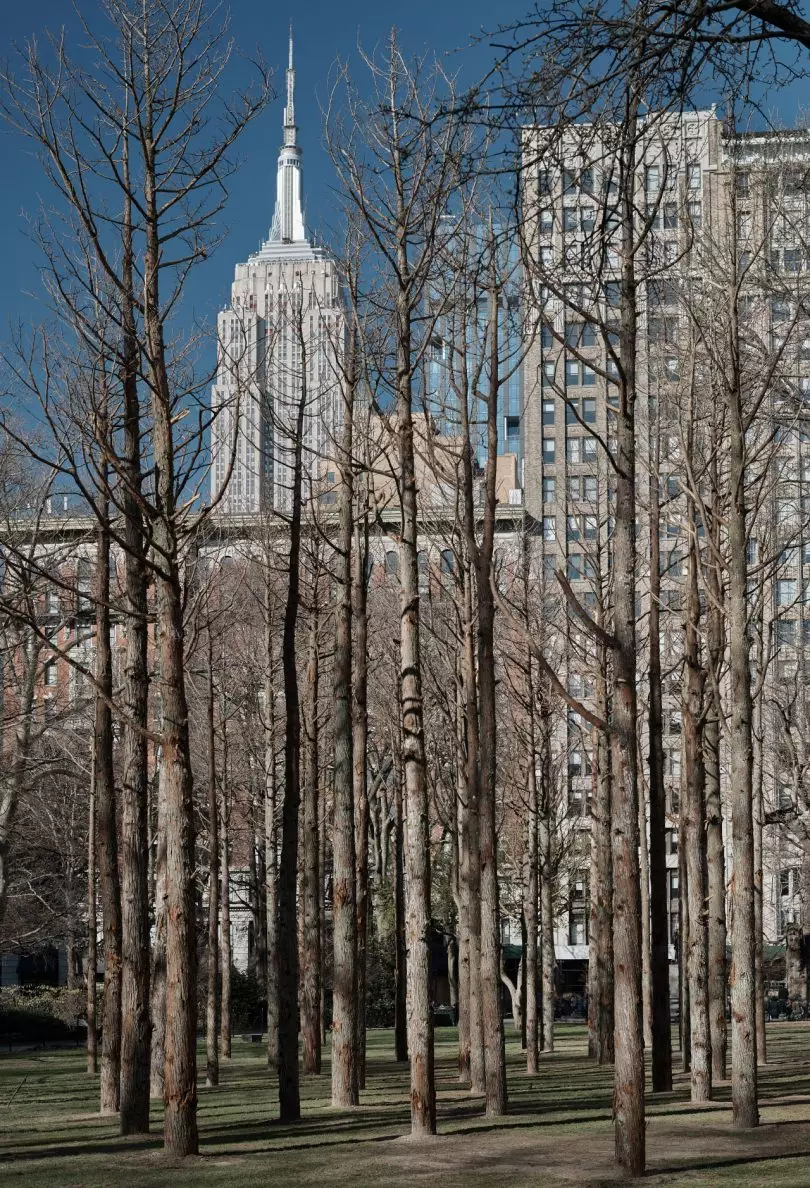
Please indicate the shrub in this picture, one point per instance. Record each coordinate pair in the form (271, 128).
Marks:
(41, 1014)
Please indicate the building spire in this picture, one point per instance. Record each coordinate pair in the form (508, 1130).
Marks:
(290, 129)
(288, 219)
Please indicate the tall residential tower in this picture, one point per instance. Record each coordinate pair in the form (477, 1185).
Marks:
(280, 343)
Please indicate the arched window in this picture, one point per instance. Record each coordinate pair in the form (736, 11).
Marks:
(392, 563)
(448, 561)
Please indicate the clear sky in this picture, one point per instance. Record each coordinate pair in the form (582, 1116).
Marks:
(323, 29)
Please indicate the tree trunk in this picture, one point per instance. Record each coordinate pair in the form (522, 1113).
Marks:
(477, 1064)
(92, 932)
(359, 750)
(494, 1054)
(464, 907)
(530, 884)
(759, 821)
(310, 955)
(107, 824)
(743, 917)
(685, 1011)
(212, 1005)
(344, 903)
(158, 982)
(644, 886)
(628, 1092)
(600, 936)
(659, 891)
(693, 811)
(715, 849)
(270, 842)
(548, 977)
(417, 844)
(225, 958)
(136, 1031)
(180, 1071)
(401, 946)
(288, 1072)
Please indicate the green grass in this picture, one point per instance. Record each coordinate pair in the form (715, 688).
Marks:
(558, 1130)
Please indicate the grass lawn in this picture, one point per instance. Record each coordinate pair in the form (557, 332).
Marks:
(558, 1130)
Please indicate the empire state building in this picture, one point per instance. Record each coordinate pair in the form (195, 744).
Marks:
(280, 345)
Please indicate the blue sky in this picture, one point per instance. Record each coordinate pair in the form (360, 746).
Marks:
(322, 30)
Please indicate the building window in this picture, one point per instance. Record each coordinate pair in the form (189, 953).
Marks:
(546, 220)
(50, 674)
(652, 179)
(544, 181)
(569, 218)
(674, 900)
(392, 563)
(573, 529)
(589, 488)
(546, 256)
(588, 381)
(447, 562)
(574, 567)
(742, 183)
(569, 181)
(548, 412)
(693, 177)
(549, 374)
(787, 887)
(589, 449)
(589, 405)
(549, 528)
(546, 336)
(549, 449)
(578, 911)
(573, 449)
(572, 372)
(549, 485)
(670, 216)
(695, 210)
(784, 634)
(786, 591)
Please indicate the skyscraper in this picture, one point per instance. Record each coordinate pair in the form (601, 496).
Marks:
(280, 346)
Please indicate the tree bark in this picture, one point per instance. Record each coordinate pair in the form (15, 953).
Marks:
(600, 937)
(360, 773)
(530, 914)
(464, 906)
(345, 1091)
(158, 981)
(180, 1070)
(494, 1053)
(288, 973)
(212, 1005)
(225, 958)
(92, 932)
(401, 946)
(548, 962)
(107, 823)
(693, 810)
(758, 773)
(628, 1093)
(659, 908)
(743, 918)
(136, 1031)
(310, 954)
(270, 841)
